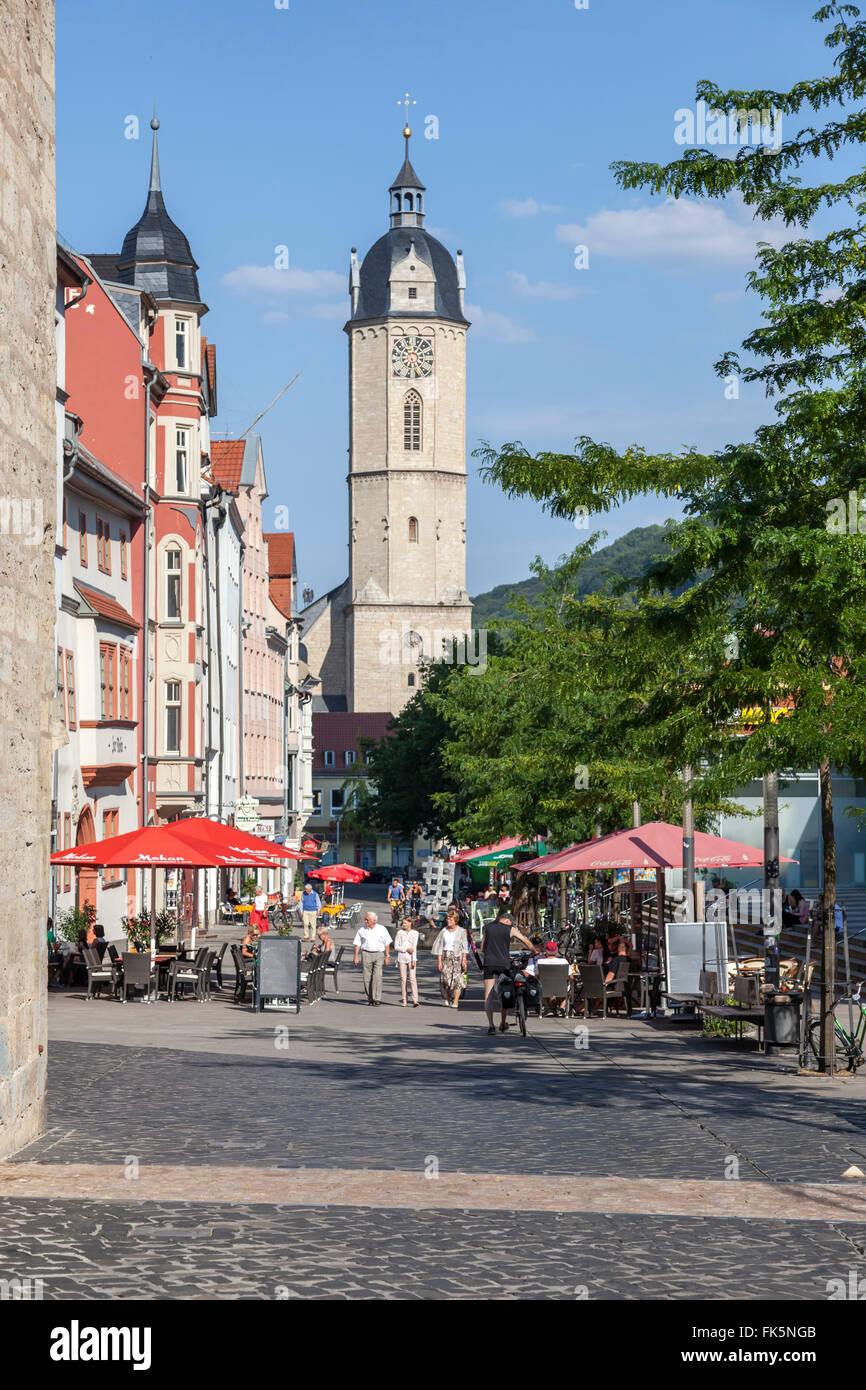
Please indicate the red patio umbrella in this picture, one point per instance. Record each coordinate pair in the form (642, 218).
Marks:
(658, 845)
(194, 843)
(340, 873)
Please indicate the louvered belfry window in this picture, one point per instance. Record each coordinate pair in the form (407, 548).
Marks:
(412, 421)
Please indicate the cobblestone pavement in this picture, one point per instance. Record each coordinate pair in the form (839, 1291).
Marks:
(172, 1250)
(389, 1088)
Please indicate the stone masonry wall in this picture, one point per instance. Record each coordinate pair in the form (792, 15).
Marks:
(27, 518)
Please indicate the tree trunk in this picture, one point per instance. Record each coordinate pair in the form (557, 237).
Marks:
(689, 843)
(828, 951)
(771, 875)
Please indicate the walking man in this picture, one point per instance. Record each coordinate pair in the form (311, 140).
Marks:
(373, 942)
(311, 906)
(495, 947)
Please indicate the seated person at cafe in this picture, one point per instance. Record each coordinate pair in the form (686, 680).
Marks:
(249, 943)
(74, 958)
(596, 951)
(99, 940)
(323, 942)
(553, 1006)
(232, 898)
(611, 951)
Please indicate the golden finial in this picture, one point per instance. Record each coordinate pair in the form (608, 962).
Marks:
(406, 101)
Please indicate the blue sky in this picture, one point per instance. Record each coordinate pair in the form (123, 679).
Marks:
(282, 127)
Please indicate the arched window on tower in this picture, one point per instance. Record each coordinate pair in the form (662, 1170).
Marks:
(413, 530)
(408, 202)
(412, 422)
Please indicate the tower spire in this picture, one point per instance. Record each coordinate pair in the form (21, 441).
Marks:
(154, 159)
(407, 191)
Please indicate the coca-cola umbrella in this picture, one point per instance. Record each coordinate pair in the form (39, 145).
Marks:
(658, 845)
(207, 845)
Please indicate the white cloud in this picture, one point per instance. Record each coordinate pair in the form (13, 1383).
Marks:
(541, 289)
(526, 207)
(289, 281)
(677, 230)
(486, 323)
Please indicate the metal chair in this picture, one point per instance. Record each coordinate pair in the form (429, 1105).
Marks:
(97, 973)
(184, 972)
(313, 978)
(138, 973)
(332, 968)
(217, 965)
(594, 987)
(553, 980)
(245, 971)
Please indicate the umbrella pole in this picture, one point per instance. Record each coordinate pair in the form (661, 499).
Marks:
(152, 911)
(194, 910)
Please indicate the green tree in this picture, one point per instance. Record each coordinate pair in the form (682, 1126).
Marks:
(755, 544)
(406, 768)
(558, 736)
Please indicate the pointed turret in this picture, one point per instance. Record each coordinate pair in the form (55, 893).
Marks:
(407, 193)
(155, 254)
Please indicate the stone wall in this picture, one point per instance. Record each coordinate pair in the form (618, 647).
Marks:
(27, 518)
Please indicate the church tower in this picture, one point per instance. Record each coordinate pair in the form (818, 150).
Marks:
(407, 455)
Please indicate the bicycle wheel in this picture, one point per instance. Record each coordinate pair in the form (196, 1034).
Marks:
(848, 1056)
(521, 1013)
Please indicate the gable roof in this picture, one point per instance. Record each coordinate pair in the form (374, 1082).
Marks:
(281, 569)
(226, 462)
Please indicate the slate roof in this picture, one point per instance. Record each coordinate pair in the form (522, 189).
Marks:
(407, 178)
(104, 263)
(155, 255)
(374, 300)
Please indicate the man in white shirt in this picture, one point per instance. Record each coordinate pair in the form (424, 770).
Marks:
(373, 943)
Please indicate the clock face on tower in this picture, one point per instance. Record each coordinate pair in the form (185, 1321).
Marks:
(412, 356)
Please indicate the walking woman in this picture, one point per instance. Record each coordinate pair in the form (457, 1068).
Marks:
(406, 946)
(451, 949)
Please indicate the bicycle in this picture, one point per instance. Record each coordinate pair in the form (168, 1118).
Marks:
(848, 1045)
(517, 988)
